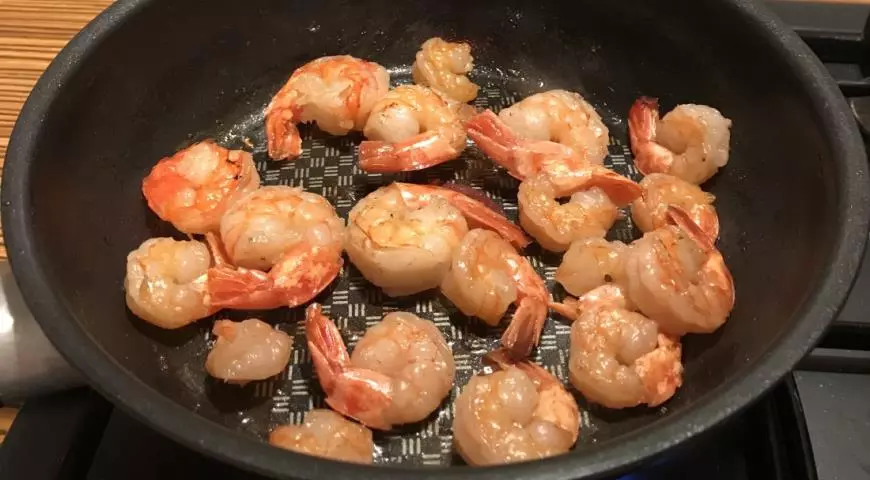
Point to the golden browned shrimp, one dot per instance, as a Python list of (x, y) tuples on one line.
[(166, 282), (193, 188), (589, 263), (399, 372), (326, 434), (521, 412), (401, 237), (444, 66), (283, 247), (248, 350), (595, 193), (618, 358), (660, 191), (335, 92), (676, 277), (488, 275), (690, 142), (411, 128), (550, 132)]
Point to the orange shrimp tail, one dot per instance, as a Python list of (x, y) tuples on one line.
[(283, 136), (241, 288), (683, 220), (328, 352), (524, 331), (649, 157), (643, 119), (416, 153), (484, 217), (496, 140), (503, 359), (360, 394), (305, 271), (621, 190)]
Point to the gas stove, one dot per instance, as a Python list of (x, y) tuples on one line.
[(814, 425)]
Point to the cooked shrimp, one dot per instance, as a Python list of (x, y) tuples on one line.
[(337, 93), (411, 128), (193, 188), (660, 191), (690, 142), (486, 276), (444, 66), (166, 282), (552, 132), (618, 358), (294, 235), (677, 277), (399, 372), (518, 413), (248, 350), (589, 263), (596, 193), (326, 434), (401, 237)]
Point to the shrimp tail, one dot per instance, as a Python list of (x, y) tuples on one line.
[(284, 139), (361, 394), (679, 217), (649, 156), (305, 271), (241, 288), (496, 140), (482, 216), (568, 308), (416, 153), (504, 359), (218, 250), (524, 331), (609, 295), (299, 276)]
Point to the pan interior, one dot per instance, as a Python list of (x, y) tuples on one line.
[(140, 96)]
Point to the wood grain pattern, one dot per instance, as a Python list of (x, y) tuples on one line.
[(31, 34)]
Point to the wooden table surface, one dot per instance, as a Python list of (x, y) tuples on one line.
[(31, 34)]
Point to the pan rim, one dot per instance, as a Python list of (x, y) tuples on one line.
[(151, 407)]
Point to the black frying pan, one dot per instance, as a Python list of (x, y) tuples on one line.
[(148, 77)]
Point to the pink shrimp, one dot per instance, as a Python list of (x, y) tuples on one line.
[(551, 132), (337, 93), (411, 128), (399, 372), (690, 142), (194, 187)]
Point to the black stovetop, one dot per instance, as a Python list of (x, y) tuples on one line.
[(814, 425)]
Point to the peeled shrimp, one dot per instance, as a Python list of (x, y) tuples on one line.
[(518, 413), (337, 93), (248, 350), (488, 275), (590, 263), (411, 128), (166, 282), (401, 237), (443, 66), (551, 132), (690, 142), (326, 434), (618, 357), (595, 192), (193, 188), (660, 191), (283, 247), (676, 277), (399, 372)]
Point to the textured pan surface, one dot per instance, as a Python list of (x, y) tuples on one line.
[(138, 86)]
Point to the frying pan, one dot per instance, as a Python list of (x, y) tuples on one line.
[(148, 77)]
